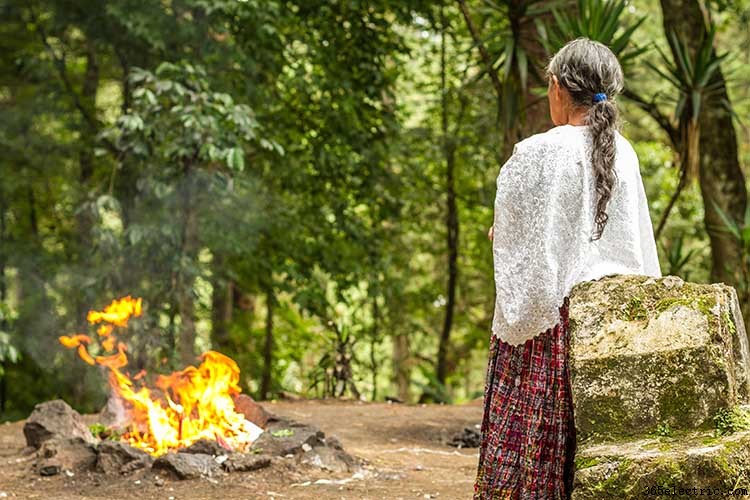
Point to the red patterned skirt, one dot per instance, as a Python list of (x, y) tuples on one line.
[(528, 435)]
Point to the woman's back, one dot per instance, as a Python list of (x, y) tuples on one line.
[(545, 213), (627, 245)]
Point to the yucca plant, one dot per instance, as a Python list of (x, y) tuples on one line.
[(597, 20), (692, 77), (513, 59), (741, 234), (514, 66), (677, 258)]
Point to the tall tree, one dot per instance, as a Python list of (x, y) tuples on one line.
[(451, 211), (721, 178)]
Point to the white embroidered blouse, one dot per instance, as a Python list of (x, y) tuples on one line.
[(544, 218)]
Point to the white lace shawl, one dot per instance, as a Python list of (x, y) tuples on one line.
[(544, 217)]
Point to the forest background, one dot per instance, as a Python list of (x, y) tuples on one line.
[(306, 185)]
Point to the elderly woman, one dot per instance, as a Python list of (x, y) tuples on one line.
[(570, 207)]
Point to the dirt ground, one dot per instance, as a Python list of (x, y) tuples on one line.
[(403, 446)]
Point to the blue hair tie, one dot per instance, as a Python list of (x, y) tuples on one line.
[(601, 96)]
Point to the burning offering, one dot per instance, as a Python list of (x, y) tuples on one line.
[(180, 408)]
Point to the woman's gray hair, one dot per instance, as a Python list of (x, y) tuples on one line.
[(586, 68)]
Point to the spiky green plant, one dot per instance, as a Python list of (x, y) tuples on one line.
[(690, 74), (741, 234), (516, 68), (677, 258), (597, 20), (513, 60)]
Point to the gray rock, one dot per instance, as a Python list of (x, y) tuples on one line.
[(332, 442), (49, 467), (206, 447), (647, 466), (647, 352), (307, 443), (55, 419), (115, 457), (187, 465), (469, 437), (292, 435), (65, 454), (330, 459), (245, 462)]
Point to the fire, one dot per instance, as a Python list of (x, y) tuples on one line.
[(182, 407), (117, 313)]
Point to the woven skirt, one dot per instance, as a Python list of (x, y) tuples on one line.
[(528, 435)]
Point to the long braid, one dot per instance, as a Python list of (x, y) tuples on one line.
[(602, 118), (586, 68)]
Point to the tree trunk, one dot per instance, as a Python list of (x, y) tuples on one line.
[(535, 116), (3, 297), (401, 371), (497, 85), (3, 249), (222, 307), (187, 319), (172, 334), (265, 381), (84, 221), (451, 220), (186, 278), (721, 178), (374, 334)]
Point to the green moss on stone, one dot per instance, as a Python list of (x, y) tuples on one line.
[(635, 310), (626, 471), (586, 462), (702, 303), (663, 429), (643, 302), (729, 321), (616, 483), (730, 420)]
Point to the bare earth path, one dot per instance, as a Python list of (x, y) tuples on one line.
[(403, 445)]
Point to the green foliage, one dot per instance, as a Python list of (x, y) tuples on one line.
[(677, 257), (514, 58), (283, 433), (97, 429), (729, 420), (8, 352), (691, 75), (432, 391), (663, 429), (176, 117), (740, 232), (101, 431), (596, 20), (684, 249)]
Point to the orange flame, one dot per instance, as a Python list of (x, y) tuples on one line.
[(185, 406), (117, 313), (104, 330), (74, 340)]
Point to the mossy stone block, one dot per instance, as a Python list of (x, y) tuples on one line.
[(656, 466), (654, 351)]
